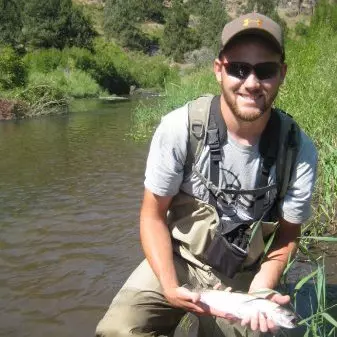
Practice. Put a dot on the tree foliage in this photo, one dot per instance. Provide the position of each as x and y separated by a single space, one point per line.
56 23
178 38
121 21
13 72
10 22
212 20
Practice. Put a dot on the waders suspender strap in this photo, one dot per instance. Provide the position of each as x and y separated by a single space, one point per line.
268 148
216 135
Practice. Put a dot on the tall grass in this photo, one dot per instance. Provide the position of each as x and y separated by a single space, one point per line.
322 320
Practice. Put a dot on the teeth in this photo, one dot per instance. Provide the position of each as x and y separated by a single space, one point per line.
251 98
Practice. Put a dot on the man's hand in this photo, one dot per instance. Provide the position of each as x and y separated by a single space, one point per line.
183 298
190 301
260 321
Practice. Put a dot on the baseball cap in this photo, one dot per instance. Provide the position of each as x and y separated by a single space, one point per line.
256 24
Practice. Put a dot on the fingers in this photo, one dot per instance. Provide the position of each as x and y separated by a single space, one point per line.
254 321
186 294
259 321
280 299
263 325
271 326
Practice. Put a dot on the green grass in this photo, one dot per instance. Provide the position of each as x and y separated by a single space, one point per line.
322 323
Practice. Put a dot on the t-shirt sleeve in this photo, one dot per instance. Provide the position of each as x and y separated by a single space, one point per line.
296 206
165 163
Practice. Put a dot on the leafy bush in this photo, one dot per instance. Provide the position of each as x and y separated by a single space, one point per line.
71 83
112 67
151 72
108 65
13 72
44 60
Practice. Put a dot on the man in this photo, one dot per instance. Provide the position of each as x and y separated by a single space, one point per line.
184 205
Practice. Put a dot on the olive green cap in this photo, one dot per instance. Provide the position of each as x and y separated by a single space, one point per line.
253 23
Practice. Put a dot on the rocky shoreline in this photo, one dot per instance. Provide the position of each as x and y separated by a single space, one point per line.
12 109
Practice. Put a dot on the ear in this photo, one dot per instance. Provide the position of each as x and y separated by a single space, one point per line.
217 68
284 68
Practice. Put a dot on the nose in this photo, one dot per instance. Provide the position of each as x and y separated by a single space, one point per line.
252 82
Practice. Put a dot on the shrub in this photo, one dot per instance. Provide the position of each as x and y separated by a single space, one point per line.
71 83
151 72
112 67
44 60
13 72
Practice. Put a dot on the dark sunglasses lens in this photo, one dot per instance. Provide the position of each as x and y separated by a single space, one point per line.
266 70
239 70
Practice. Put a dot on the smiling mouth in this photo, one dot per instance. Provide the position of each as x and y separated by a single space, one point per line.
250 97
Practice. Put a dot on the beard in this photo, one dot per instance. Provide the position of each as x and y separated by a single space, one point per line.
254 113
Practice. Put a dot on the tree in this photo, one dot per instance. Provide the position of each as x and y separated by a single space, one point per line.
212 21
178 38
13 72
56 23
10 22
121 19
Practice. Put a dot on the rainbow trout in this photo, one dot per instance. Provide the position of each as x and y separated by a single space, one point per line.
241 305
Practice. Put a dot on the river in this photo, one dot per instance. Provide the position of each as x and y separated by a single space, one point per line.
70 193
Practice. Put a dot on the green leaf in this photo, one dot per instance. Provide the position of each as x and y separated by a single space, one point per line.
329 319
320 238
300 284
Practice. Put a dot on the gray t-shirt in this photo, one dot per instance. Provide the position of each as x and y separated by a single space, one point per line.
239 169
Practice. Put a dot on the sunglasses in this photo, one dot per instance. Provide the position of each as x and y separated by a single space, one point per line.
242 70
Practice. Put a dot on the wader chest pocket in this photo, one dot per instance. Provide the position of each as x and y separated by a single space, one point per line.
224 256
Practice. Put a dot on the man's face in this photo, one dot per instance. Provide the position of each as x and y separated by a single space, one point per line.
249 98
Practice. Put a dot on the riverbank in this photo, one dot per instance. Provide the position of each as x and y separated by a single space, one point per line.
56 76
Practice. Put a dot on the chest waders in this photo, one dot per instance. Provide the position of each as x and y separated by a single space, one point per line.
199 234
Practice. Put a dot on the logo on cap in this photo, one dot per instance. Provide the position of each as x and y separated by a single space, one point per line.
246 22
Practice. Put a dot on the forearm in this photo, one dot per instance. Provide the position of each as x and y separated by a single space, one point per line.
272 269
157 246
283 249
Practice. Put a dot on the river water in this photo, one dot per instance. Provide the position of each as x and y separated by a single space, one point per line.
70 192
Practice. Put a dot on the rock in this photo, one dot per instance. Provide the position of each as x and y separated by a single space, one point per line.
12 109
134 91
113 98
200 56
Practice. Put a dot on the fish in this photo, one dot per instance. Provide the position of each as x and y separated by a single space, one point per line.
241 305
